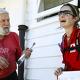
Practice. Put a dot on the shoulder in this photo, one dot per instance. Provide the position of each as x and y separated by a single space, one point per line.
14 34
15 37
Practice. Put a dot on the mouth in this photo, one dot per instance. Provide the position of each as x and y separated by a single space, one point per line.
62 20
6 29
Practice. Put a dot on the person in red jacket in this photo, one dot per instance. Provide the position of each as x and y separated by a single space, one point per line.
70 46
10 49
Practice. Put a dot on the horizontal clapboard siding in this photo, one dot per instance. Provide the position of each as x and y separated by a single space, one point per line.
46 55
42 62
46 51
40 74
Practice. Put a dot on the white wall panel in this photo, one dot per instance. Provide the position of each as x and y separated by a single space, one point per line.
46 55
44 62
45 29
40 74
53 39
46 51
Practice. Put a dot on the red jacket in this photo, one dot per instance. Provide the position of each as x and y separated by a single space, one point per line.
70 57
11 50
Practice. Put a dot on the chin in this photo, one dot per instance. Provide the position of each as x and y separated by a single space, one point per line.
63 25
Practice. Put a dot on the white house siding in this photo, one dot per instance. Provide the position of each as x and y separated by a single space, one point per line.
46 56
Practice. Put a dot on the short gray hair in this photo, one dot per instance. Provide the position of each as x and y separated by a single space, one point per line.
3 10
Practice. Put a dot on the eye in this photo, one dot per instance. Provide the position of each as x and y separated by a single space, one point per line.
3 20
8 20
65 12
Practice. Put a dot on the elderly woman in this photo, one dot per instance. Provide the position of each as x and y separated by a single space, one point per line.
70 46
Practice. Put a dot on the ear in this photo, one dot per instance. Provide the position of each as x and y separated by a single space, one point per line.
76 19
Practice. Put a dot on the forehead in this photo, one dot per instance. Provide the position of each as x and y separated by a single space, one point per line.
65 8
4 16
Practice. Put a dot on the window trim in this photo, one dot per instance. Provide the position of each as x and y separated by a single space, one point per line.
52 10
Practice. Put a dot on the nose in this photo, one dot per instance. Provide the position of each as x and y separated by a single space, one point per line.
62 15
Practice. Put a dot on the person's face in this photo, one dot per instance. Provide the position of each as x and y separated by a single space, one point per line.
66 17
5 22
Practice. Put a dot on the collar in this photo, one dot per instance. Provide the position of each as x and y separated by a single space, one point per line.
72 37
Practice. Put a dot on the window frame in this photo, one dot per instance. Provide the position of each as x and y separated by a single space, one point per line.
51 11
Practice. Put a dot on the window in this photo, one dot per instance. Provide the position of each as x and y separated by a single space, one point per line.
48 4
50 8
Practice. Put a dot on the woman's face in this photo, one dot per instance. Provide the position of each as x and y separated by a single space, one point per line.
66 17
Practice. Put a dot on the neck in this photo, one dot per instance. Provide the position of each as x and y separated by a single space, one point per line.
69 31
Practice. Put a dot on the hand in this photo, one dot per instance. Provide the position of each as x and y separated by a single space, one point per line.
28 53
58 71
3 63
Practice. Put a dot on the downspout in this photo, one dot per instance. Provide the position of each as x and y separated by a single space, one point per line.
22 29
